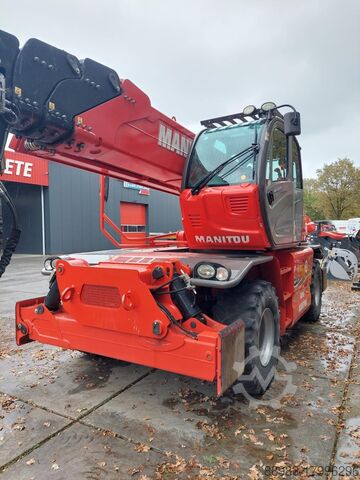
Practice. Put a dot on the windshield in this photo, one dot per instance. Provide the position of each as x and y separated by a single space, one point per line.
217 145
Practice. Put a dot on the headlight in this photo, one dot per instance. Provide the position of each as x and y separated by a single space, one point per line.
205 270
222 274
212 271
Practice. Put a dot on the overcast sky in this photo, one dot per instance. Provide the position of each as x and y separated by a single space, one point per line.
199 59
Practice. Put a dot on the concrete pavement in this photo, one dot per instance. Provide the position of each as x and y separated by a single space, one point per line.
66 414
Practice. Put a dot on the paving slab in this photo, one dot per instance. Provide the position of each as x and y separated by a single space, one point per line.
356 365
23 425
178 414
140 413
22 280
149 412
319 351
80 452
7 333
64 381
347 461
326 345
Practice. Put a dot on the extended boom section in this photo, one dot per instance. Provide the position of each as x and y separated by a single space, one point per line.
79 112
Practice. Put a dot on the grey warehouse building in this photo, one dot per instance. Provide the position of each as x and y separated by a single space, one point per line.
58 207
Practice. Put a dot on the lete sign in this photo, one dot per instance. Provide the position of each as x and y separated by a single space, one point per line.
24 168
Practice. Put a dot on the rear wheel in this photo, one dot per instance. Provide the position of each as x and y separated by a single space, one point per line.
313 314
256 304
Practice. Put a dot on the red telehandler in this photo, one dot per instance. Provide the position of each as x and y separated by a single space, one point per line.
211 303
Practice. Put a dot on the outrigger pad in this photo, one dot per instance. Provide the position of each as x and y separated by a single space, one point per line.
232 355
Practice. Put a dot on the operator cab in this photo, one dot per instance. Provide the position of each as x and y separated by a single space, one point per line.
242 187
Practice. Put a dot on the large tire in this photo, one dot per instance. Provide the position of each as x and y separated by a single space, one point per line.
257 305
313 314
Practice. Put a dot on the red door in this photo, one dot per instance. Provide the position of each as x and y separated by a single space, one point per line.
133 220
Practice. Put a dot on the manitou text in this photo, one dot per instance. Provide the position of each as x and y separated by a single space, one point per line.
173 140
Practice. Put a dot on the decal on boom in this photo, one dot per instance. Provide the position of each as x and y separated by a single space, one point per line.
173 140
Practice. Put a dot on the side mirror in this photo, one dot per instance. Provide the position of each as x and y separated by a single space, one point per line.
292 124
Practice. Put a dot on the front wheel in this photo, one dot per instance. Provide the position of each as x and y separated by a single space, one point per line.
313 314
256 304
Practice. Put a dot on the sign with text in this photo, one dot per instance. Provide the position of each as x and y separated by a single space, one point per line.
135 186
24 168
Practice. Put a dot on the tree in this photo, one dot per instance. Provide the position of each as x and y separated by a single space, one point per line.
338 186
312 200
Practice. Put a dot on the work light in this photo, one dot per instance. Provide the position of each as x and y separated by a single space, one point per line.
265 107
249 110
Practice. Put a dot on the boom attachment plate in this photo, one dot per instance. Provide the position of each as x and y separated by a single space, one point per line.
46 87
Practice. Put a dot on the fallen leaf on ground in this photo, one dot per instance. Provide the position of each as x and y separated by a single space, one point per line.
141 447
238 430
18 426
223 462
134 471
269 435
254 473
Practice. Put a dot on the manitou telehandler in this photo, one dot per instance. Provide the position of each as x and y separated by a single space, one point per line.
211 303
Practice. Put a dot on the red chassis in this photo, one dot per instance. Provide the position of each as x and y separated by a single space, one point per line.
109 309
112 309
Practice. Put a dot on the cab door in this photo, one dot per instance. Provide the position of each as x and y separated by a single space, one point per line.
298 189
279 189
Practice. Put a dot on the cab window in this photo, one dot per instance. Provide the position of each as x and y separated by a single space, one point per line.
296 164
216 145
277 158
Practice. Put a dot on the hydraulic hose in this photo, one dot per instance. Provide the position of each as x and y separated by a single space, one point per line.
13 239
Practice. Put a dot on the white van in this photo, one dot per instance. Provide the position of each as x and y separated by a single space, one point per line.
341 226
349 227
353 225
